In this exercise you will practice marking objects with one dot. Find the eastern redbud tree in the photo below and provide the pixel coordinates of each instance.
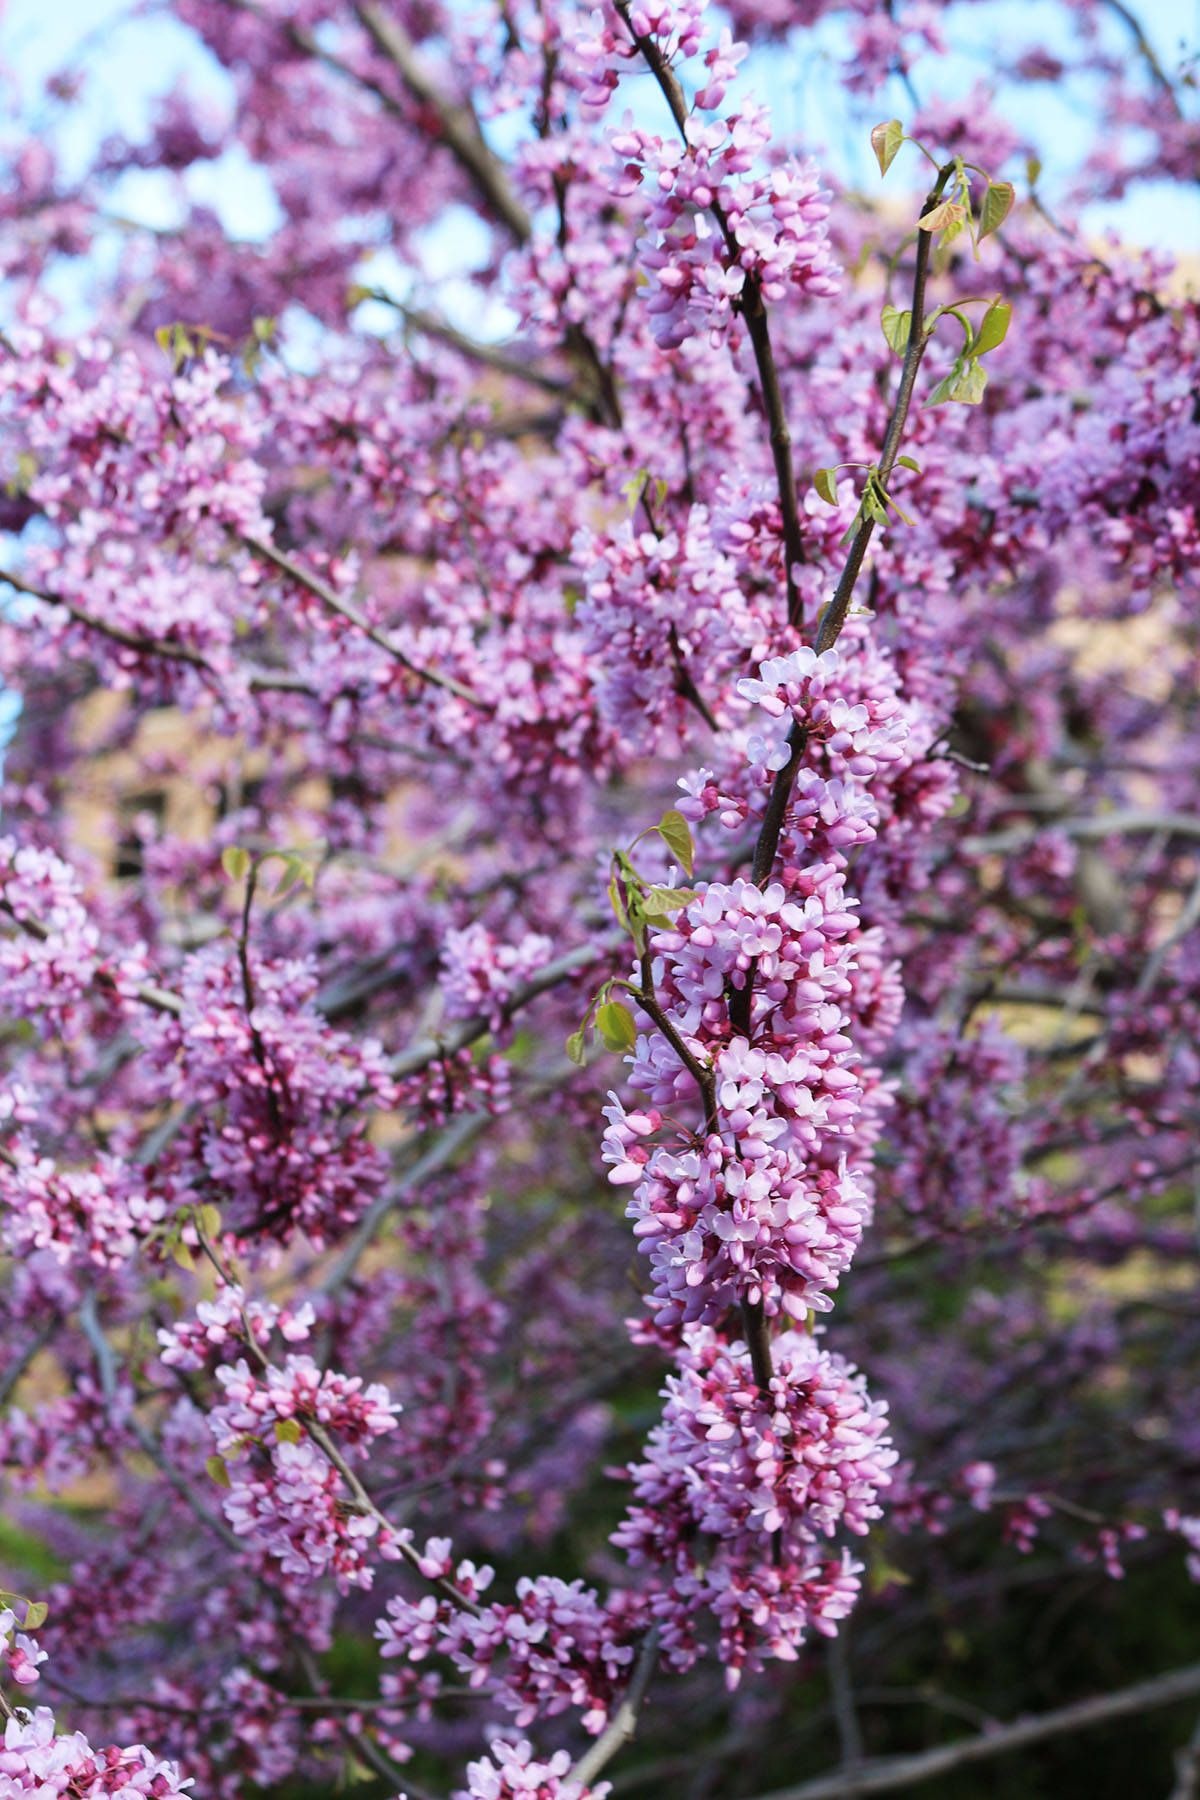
(599, 883)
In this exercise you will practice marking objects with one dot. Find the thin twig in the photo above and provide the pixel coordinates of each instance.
(427, 1050)
(346, 609)
(129, 640)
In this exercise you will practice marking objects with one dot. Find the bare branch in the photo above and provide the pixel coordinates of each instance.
(623, 1724)
(346, 609)
(887, 1774)
(457, 125)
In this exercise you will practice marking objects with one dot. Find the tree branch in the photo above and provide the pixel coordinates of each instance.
(457, 125)
(623, 1724)
(346, 609)
(754, 312)
(887, 1774)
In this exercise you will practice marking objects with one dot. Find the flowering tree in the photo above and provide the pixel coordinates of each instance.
(720, 706)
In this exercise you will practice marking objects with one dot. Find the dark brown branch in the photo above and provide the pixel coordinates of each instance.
(492, 356)
(754, 313)
(129, 640)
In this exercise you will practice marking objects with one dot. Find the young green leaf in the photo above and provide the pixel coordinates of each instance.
(217, 1471)
(287, 1431)
(997, 204)
(897, 327)
(616, 1026)
(665, 902)
(993, 328)
(909, 462)
(36, 1613)
(825, 482)
(676, 834)
(965, 383)
(208, 1219)
(577, 1049)
(293, 871)
(970, 385)
(235, 861)
(886, 140)
(949, 212)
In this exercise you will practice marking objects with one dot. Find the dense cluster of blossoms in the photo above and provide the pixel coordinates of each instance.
(556, 1646)
(758, 1211)
(482, 976)
(39, 1760)
(447, 607)
(284, 1493)
(763, 1477)
(277, 1126)
(719, 230)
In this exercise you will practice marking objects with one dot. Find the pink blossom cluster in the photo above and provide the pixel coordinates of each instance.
(556, 1646)
(98, 1216)
(725, 233)
(198, 1340)
(19, 1653)
(662, 610)
(50, 957)
(481, 974)
(762, 1206)
(959, 1148)
(733, 1470)
(284, 1492)
(37, 1760)
(277, 1127)
(513, 1772)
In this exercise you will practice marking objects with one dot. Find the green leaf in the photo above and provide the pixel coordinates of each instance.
(665, 902)
(965, 383)
(886, 140)
(235, 861)
(577, 1049)
(676, 834)
(36, 1613)
(825, 482)
(617, 904)
(208, 1219)
(897, 327)
(1033, 168)
(997, 204)
(217, 1471)
(616, 1026)
(970, 384)
(949, 212)
(288, 1431)
(909, 462)
(25, 473)
(293, 871)
(993, 328)
(635, 486)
